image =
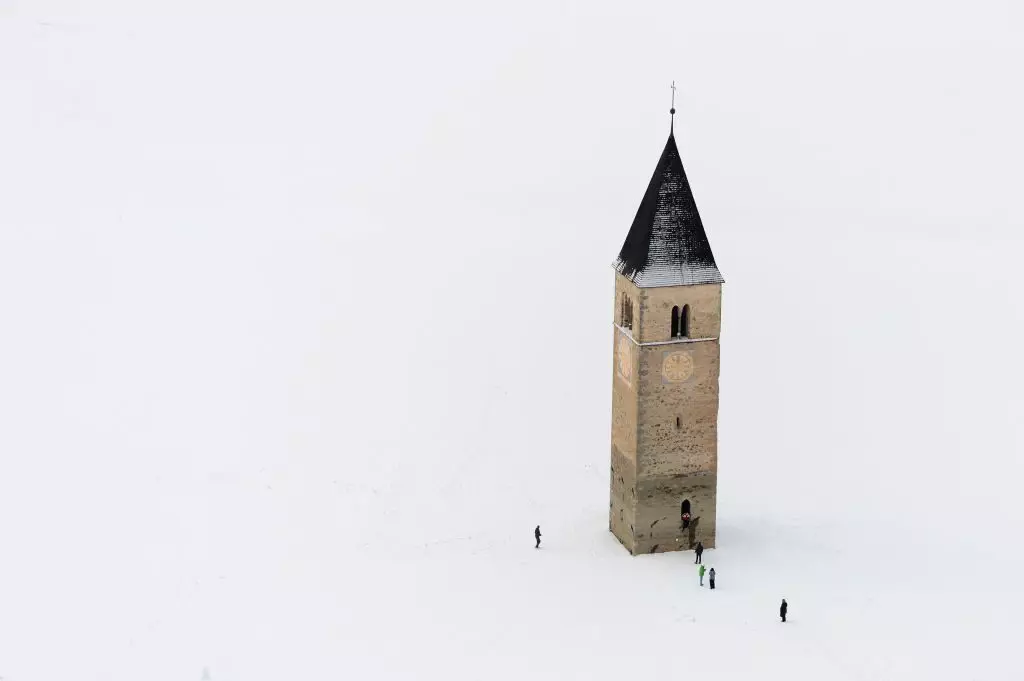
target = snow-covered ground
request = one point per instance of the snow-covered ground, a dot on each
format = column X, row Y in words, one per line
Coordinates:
column 306, row 323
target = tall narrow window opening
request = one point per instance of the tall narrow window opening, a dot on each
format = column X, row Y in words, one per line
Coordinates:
column 684, row 322
column 626, row 313
column 675, row 321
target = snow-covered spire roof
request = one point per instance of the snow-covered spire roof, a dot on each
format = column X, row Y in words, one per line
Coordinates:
column 667, row 246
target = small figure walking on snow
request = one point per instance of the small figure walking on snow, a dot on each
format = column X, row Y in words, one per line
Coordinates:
column 536, row 535
column 700, row 572
column 699, row 551
column 782, row 609
column 711, row 577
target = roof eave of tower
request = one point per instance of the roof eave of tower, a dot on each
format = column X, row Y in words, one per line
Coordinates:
column 654, row 279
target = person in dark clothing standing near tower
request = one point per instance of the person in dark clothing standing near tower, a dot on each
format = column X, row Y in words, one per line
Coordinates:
column 536, row 535
column 699, row 551
column 711, row 577
column 782, row 609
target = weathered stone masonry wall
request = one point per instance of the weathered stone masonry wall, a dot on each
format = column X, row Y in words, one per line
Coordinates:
column 655, row 314
column 656, row 464
column 657, row 523
column 625, row 406
column 677, row 463
column 622, row 512
column 692, row 447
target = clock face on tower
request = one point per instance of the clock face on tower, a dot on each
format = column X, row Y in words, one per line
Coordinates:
column 677, row 367
column 624, row 359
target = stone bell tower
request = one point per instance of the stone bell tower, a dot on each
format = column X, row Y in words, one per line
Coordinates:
column 668, row 294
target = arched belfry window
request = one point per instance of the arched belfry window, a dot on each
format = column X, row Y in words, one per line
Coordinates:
column 681, row 322
column 684, row 513
column 626, row 313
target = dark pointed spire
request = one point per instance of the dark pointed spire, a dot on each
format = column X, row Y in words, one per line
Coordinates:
column 666, row 245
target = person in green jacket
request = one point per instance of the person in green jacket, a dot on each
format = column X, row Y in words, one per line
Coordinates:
column 701, row 573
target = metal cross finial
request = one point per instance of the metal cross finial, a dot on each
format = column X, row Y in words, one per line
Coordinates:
column 672, row 111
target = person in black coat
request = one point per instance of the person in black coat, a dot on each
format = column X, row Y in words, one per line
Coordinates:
column 699, row 551
column 711, row 577
column 782, row 609
column 536, row 535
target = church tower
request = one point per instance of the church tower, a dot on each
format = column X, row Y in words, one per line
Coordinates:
column 668, row 294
